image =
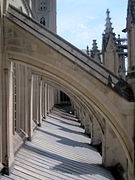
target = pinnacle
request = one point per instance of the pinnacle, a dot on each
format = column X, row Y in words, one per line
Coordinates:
column 108, row 24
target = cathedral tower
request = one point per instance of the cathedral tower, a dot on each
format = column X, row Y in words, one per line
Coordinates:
column 44, row 11
column 113, row 49
column 131, row 43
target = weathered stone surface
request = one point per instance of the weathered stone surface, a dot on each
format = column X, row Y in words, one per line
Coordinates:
column 59, row 150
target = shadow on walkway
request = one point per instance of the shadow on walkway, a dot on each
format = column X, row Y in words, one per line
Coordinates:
column 67, row 165
column 68, row 141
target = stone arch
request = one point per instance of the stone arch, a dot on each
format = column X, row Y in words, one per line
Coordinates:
column 108, row 114
column 50, row 61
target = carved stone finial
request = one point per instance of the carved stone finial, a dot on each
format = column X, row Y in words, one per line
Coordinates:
column 95, row 53
column 95, row 47
column 87, row 50
column 108, row 24
column 108, row 13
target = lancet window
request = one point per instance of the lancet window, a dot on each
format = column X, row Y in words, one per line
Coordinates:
column 42, row 21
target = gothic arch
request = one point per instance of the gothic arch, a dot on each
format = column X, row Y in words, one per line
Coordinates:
column 42, row 21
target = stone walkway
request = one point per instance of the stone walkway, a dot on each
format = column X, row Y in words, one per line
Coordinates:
column 59, row 151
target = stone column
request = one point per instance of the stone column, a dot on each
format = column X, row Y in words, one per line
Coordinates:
column 34, row 97
column 22, row 98
column 43, row 99
column 31, row 110
column 1, row 71
column 82, row 119
column 52, row 97
column 131, row 48
column 1, row 134
column 76, row 111
column 46, row 99
column 88, row 125
column 38, row 100
column 18, row 95
column 7, row 127
column 26, row 107
column 27, row 98
column 41, row 102
column 79, row 115
column 56, row 96
column 113, row 153
column 96, row 135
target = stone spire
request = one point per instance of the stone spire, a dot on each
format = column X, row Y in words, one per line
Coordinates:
column 108, row 31
column 108, row 24
column 95, row 47
column 95, row 53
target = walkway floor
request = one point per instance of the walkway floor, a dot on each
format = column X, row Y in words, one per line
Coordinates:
column 59, row 151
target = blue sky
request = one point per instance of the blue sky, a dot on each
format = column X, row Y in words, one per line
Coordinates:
column 81, row 21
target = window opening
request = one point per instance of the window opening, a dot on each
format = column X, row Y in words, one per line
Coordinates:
column 42, row 21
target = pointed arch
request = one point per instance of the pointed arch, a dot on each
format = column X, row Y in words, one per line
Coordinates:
column 42, row 21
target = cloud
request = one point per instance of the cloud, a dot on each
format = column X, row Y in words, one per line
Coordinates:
column 84, row 20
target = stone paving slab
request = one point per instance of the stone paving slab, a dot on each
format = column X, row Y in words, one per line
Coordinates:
column 59, row 151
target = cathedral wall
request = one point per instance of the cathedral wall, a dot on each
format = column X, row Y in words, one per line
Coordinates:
column 131, row 47
column 111, row 60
